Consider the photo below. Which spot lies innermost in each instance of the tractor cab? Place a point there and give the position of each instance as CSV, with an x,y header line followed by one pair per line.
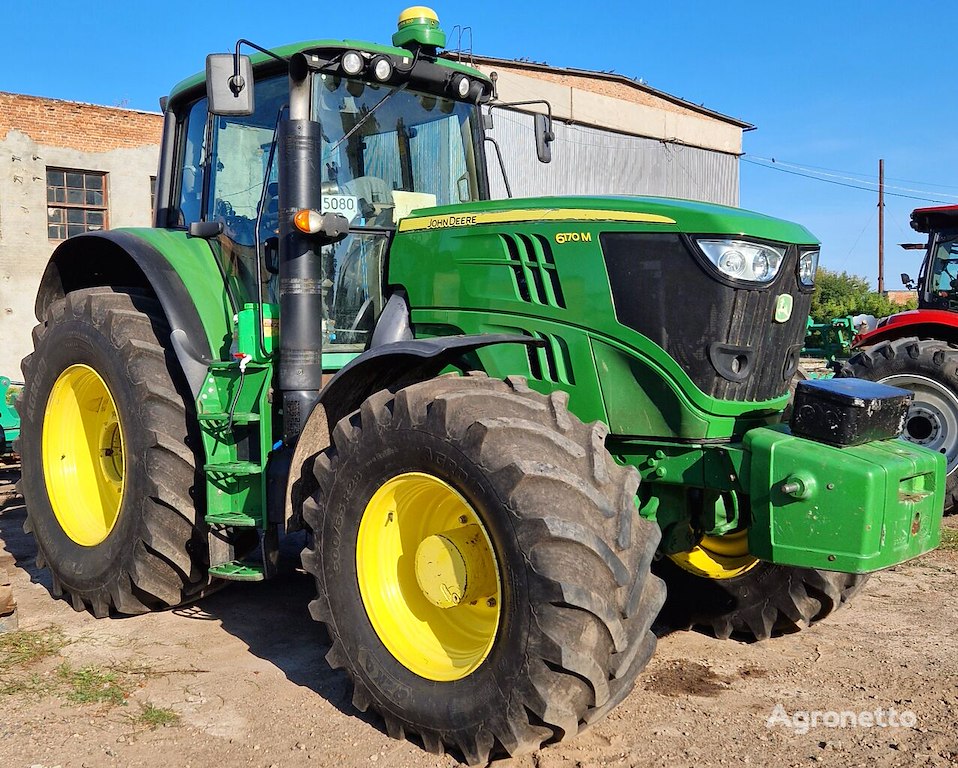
x,y
938,281
383,130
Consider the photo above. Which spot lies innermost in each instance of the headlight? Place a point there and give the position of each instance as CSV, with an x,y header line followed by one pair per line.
x,y
742,260
807,267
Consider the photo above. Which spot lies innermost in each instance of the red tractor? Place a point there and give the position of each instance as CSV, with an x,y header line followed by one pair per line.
x,y
918,349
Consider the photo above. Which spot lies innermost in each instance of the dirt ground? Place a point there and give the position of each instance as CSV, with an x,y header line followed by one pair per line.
x,y
239,679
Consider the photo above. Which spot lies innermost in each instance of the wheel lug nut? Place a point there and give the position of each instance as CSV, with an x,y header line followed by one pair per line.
x,y
463,519
491,602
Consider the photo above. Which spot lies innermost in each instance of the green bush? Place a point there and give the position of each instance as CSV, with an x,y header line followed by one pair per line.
x,y
838,294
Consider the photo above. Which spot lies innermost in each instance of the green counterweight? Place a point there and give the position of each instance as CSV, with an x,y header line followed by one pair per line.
x,y
855,509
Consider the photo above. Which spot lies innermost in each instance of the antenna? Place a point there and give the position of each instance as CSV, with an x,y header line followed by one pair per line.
x,y
463,30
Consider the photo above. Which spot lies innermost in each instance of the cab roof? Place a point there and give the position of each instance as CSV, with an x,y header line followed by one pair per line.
x,y
928,219
332,46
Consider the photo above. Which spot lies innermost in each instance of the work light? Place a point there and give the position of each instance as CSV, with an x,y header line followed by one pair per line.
x,y
460,85
382,68
352,63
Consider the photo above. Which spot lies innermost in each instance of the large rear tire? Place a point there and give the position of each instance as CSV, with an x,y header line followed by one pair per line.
x,y
108,471
539,621
929,368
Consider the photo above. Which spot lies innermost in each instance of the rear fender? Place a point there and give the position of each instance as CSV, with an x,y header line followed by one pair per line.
x,y
124,259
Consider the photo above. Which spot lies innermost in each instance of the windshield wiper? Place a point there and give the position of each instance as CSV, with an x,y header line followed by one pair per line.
x,y
365,117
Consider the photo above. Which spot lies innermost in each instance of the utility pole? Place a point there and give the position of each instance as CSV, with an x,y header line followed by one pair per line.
x,y
881,226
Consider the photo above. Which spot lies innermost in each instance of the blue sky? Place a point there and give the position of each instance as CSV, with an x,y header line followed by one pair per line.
x,y
831,86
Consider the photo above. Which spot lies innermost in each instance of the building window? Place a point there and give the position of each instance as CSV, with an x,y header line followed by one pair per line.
x,y
153,195
76,202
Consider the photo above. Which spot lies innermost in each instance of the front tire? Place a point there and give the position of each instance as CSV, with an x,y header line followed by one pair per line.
x,y
929,368
529,652
107,471
751,601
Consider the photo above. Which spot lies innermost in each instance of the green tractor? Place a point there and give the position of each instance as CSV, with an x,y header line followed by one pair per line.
x,y
9,419
508,426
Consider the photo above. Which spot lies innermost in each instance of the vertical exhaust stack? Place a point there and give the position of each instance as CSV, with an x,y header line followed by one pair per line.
x,y
300,374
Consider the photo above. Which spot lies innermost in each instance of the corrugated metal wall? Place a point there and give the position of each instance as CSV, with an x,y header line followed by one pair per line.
x,y
588,160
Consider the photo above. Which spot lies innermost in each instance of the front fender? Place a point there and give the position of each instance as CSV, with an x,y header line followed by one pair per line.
x,y
923,323
394,365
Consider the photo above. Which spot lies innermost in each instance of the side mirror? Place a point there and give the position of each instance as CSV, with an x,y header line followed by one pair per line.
x,y
907,281
544,137
229,84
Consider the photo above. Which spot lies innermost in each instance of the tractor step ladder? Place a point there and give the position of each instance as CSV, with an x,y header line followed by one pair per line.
x,y
235,422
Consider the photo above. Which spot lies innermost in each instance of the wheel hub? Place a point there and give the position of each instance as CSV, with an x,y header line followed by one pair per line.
x,y
455,567
922,425
932,419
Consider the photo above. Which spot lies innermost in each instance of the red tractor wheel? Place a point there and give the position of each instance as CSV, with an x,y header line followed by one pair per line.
x,y
929,368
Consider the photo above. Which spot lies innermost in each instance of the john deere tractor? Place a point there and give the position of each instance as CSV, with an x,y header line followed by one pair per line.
x,y
9,419
506,425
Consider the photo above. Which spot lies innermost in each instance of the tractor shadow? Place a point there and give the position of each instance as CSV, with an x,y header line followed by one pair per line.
x,y
271,617
13,514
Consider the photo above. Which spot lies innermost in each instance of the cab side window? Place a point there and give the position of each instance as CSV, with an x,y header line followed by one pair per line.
x,y
191,167
240,166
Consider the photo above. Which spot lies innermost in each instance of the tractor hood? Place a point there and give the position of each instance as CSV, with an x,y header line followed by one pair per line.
x,y
673,215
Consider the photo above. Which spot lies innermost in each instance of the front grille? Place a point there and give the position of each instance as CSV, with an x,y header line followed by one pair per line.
x,y
724,337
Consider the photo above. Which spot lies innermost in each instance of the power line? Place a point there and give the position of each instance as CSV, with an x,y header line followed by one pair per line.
x,y
777,167
816,173
777,163
863,176
871,218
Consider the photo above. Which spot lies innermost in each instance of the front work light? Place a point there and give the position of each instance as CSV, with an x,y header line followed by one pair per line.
x,y
807,267
744,260
382,68
353,63
460,85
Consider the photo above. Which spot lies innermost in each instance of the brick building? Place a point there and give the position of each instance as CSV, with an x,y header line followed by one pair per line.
x,y
65,168
901,298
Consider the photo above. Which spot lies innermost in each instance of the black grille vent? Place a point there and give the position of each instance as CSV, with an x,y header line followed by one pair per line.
x,y
533,269
724,337
551,362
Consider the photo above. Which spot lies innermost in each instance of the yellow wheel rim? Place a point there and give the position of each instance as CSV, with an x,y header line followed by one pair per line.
x,y
718,557
428,577
83,458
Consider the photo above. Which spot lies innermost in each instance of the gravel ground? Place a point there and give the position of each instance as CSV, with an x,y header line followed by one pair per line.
x,y
239,679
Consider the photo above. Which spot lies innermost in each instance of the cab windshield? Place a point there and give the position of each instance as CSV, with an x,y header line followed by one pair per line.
x,y
387,151
944,273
